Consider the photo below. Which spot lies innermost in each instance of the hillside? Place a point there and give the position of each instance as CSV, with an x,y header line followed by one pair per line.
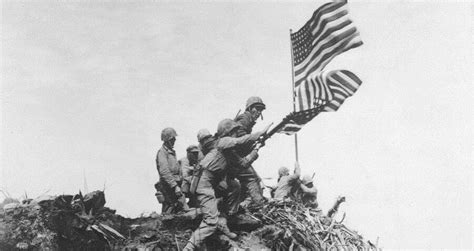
x,y
70,222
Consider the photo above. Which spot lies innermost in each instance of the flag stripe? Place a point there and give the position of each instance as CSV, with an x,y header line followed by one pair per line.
x,y
323,58
298,119
334,86
345,82
308,87
312,96
340,84
322,43
304,39
328,51
328,33
331,24
300,99
326,8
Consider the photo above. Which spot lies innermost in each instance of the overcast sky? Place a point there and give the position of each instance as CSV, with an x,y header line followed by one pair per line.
x,y
87,88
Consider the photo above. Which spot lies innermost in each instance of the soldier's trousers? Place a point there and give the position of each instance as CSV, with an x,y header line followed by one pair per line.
x,y
207,192
170,203
250,184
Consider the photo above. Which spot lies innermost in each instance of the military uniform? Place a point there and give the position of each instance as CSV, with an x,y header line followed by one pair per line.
x,y
188,165
247,176
213,183
307,193
170,177
286,185
187,170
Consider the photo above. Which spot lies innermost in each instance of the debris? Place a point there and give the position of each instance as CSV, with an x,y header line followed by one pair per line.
x,y
290,225
71,222
335,207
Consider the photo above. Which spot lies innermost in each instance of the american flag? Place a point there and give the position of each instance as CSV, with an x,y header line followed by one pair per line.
x,y
339,84
327,34
342,84
295,121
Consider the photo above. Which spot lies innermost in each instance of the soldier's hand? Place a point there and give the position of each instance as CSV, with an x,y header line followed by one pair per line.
x,y
258,145
177,191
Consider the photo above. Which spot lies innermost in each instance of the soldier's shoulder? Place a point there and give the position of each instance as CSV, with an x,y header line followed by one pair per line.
x,y
224,142
161,152
209,156
244,116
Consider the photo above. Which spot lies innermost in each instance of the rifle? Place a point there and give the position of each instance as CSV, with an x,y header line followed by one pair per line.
x,y
261,141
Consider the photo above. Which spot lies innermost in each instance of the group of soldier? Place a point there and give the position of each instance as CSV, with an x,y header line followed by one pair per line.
x,y
217,176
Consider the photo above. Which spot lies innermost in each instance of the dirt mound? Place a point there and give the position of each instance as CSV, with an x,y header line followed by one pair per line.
x,y
68,222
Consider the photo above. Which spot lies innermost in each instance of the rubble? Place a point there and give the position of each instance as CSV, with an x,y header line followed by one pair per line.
x,y
289,225
71,222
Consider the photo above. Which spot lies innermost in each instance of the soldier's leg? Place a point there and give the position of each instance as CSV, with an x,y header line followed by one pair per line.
x,y
232,196
250,183
208,204
167,197
229,193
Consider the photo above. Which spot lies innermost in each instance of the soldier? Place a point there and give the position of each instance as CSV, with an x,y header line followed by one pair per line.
x,y
286,182
169,187
307,192
213,181
248,177
187,165
205,144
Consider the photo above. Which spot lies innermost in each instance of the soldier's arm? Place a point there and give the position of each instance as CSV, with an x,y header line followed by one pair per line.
x,y
297,173
186,169
245,162
164,169
229,142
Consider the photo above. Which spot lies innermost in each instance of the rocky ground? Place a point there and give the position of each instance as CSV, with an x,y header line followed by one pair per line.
x,y
77,222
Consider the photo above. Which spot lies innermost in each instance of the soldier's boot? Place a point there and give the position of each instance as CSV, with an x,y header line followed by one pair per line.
x,y
222,226
245,221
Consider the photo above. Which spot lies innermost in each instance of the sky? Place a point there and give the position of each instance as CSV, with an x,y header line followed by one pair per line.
x,y
87,87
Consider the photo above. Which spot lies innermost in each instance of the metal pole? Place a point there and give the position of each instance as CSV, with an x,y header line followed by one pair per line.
x,y
293,93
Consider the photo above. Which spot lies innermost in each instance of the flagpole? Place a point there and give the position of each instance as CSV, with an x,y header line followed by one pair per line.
x,y
293,93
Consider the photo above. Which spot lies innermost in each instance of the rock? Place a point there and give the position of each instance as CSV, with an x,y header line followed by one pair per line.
x,y
94,201
45,201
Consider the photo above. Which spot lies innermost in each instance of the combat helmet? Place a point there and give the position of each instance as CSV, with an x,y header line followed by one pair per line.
x,y
202,135
307,179
254,101
168,133
226,127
